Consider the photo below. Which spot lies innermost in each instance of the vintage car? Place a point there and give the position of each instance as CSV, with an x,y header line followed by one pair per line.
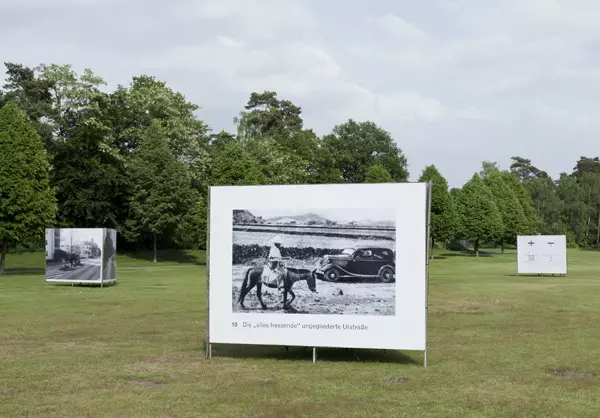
x,y
371,262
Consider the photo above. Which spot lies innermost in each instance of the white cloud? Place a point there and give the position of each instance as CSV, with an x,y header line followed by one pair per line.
x,y
455,81
397,27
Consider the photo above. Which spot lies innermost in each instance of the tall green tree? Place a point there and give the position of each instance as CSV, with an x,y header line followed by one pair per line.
x,y
162,193
524,170
586,165
355,146
575,210
233,165
27,201
513,218
376,173
271,130
590,185
266,115
548,206
147,100
31,94
533,220
444,215
488,168
479,216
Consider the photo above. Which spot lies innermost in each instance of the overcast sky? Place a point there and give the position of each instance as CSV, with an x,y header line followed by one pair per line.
x,y
456,82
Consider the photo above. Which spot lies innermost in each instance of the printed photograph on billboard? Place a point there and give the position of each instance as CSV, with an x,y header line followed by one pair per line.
x,y
279,255
74,254
109,256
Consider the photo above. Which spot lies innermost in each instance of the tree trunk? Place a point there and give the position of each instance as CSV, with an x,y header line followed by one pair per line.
x,y
502,246
587,230
3,257
155,249
431,255
476,247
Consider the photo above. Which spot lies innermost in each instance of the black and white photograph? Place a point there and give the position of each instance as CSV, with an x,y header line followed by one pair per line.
x,y
314,261
109,256
74,254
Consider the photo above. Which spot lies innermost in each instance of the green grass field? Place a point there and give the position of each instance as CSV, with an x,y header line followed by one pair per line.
x,y
499,346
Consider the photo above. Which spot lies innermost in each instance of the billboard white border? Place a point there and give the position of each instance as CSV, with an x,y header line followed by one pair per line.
x,y
428,194
530,273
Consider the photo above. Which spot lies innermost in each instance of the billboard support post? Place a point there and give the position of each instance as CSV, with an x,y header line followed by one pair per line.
x,y
427,255
208,344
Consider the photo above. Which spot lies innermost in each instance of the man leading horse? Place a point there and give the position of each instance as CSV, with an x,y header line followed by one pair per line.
x,y
274,272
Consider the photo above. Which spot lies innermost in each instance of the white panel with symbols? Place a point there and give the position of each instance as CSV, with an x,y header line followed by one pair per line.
x,y
542,254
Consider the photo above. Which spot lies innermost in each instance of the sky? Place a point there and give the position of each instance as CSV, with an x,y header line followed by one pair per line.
x,y
455,82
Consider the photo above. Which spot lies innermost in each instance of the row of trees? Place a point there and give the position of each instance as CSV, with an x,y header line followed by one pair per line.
x,y
139,159
495,206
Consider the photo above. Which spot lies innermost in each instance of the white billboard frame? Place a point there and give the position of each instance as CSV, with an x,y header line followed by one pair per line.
x,y
217,227
537,254
60,272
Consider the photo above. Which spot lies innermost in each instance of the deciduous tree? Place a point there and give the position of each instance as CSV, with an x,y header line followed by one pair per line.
x,y
444,215
376,173
355,146
480,218
162,194
27,201
513,217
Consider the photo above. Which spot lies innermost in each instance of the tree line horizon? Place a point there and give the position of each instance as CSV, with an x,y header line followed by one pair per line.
x,y
139,160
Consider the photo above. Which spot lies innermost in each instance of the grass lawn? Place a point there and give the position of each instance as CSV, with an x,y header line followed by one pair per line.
x,y
499,345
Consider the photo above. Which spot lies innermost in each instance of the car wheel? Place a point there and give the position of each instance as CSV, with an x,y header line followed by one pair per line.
x,y
332,275
386,275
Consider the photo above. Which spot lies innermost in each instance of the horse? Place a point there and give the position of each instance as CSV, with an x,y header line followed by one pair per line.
x,y
292,275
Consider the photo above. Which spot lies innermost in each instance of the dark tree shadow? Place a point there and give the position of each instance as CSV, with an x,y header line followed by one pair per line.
x,y
261,352
81,285
14,271
534,275
167,256
466,254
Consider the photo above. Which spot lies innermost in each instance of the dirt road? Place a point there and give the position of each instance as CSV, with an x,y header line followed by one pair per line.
x,y
332,298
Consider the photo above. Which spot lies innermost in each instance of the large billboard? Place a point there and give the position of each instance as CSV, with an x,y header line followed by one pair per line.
x,y
319,265
542,254
80,255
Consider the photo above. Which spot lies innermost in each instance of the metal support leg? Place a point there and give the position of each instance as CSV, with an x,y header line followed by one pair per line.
x,y
425,359
209,351
314,355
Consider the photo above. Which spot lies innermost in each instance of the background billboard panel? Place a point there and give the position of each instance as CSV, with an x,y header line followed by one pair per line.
x,y
542,254
353,258
80,255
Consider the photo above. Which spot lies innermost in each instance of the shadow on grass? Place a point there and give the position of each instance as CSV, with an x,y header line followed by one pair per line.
x,y
22,271
168,256
534,275
466,254
263,352
81,285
